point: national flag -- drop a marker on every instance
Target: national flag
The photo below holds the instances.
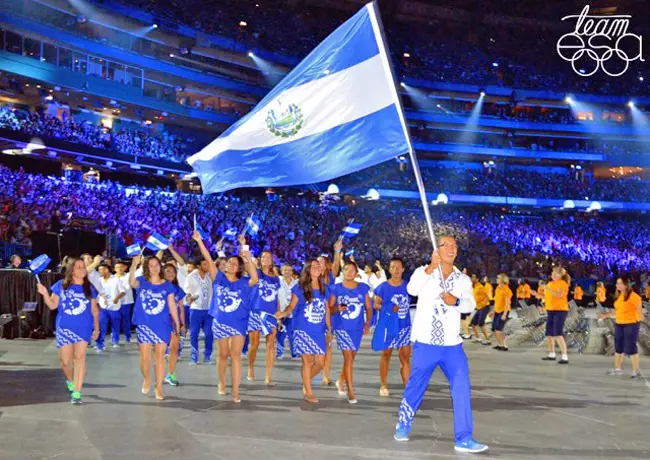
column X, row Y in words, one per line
column 335, row 113
column 39, row 264
column 134, row 250
column 268, row 322
column 253, row 225
column 349, row 253
column 230, row 233
column 203, row 233
column 157, row 242
column 351, row 230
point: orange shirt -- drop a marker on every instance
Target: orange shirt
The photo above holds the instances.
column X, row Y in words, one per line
column 647, row 292
column 601, row 294
column 578, row 293
column 627, row 311
column 502, row 296
column 527, row 294
column 481, row 296
column 490, row 290
column 521, row 291
column 553, row 303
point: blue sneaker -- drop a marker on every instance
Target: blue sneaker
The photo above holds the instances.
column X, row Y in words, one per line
column 207, row 361
column 401, row 433
column 470, row 446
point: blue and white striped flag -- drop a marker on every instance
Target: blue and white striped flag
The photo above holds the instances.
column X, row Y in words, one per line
column 39, row 264
column 335, row 113
column 349, row 253
column 253, row 225
column 351, row 230
column 230, row 233
column 157, row 242
column 134, row 250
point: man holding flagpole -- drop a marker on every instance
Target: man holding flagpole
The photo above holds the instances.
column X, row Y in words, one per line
column 335, row 113
column 443, row 293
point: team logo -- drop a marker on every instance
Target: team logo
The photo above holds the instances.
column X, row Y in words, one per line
column 600, row 43
column 354, row 307
column 153, row 303
column 75, row 304
column 229, row 301
column 284, row 120
column 403, row 302
column 315, row 311
column 268, row 291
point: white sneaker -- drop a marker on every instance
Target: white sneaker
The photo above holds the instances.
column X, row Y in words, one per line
column 115, row 345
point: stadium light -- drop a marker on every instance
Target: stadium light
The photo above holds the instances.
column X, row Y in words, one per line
column 333, row 189
column 630, row 104
column 243, row 23
column 569, row 204
column 326, row 71
column 372, row 194
column 403, row 85
column 568, row 100
column 407, row 55
column 482, row 93
column 155, row 26
column 641, row 78
column 250, row 54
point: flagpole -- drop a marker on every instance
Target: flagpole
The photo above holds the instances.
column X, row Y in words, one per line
column 373, row 8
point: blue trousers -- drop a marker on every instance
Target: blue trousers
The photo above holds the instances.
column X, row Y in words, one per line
column 199, row 319
column 126, row 310
column 105, row 317
column 453, row 363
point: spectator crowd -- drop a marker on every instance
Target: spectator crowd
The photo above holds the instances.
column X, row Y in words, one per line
column 295, row 227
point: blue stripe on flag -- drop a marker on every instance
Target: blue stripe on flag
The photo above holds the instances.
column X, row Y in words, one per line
column 356, row 145
column 349, row 45
column 134, row 250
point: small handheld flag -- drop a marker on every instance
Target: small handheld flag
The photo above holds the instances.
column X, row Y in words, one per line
column 39, row 264
column 230, row 233
column 157, row 242
column 351, row 230
column 253, row 225
column 349, row 253
column 134, row 250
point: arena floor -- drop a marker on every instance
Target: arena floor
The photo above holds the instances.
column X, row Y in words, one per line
column 523, row 408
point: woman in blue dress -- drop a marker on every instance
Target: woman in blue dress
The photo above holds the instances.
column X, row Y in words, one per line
column 268, row 301
column 156, row 317
column 230, row 307
column 347, row 302
column 310, row 323
column 171, row 275
column 77, row 322
column 330, row 270
column 391, row 296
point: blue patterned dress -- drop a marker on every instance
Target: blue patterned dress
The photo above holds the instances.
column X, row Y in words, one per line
column 267, row 302
column 397, row 295
column 151, row 313
column 348, row 326
column 308, row 322
column 231, row 306
column 74, row 321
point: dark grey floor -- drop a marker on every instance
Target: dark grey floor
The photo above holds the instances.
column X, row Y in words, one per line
column 523, row 408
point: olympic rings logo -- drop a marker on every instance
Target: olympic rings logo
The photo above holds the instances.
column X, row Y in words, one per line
column 591, row 42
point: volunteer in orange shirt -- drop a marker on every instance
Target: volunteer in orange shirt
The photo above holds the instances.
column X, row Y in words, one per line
column 601, row 293
column 502, row 306
column 521, row 291
column 527, row 292
column 557, row 305
column 647, row 292
column 482, row 310
column 578, row 294
column 628, row 313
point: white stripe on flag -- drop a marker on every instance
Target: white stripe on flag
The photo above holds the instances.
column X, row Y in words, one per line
column 351, row 230
column 326, row 103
